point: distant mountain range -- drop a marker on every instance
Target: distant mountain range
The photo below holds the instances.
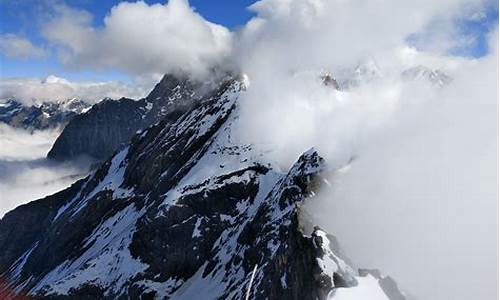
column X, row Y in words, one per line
column 40, row 116
column 369, row 71
column 436, row 77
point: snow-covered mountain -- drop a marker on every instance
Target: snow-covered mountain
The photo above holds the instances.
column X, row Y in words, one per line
column 436, row 77
column 110, row 123
column 42, row 115
column 186, row 210
column 369, row 71
column 364, row 72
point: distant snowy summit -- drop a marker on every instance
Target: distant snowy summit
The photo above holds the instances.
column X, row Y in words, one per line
column 422, row 73
column 38, row 116
column 369, row 71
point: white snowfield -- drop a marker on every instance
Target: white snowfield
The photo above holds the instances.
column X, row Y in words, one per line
column 368, row 288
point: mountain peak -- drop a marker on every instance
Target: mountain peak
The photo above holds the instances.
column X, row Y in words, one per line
column 435, row 76
column 168, row 83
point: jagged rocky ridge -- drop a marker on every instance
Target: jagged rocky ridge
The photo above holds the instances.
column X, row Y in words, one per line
column 185, row 211
column 111, row 123
column 42, row 116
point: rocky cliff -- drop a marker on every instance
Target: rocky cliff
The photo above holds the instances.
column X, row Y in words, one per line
column 111, row 123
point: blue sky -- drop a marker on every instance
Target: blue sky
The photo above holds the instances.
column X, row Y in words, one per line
column 478, row 29
column 25, row 17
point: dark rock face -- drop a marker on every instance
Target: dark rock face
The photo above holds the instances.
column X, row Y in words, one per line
column 184, row 211
column 111, row 123
column 329, row 80
column 44, row 116
column 100, row 131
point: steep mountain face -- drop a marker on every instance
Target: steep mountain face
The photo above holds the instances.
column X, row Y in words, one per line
column 43, row 116
column 109, row 124
column 185, row 211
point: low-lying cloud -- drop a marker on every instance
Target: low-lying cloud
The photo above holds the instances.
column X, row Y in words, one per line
column 25, row 174
column 20, row 144
column 52, row 88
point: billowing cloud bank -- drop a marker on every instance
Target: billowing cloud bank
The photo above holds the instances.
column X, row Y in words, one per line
column 419, row 201
column 290, row 44
column 326, row 34
column 140, row 38
column 419, row 196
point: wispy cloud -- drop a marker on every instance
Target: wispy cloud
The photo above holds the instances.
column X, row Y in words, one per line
column 14, row 46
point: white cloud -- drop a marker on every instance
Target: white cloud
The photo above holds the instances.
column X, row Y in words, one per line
column 52, row 88
column 420, row 201
column 325, row 34
column 140, row 39
column 25, row 174
column 290, row 39
column 14, row 46
column 20, row 144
